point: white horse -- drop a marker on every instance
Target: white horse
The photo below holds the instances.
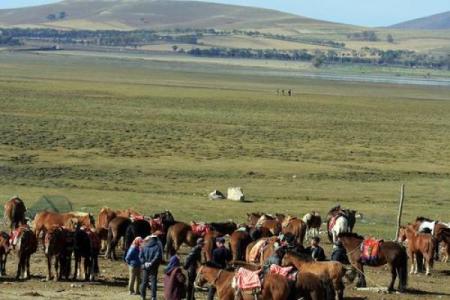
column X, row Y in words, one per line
column 340, row 225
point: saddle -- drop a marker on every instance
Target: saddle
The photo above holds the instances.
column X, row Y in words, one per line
column 370, row 250
column 287, row 272
column 200, row 229
column 256, row 250
column 246, row 282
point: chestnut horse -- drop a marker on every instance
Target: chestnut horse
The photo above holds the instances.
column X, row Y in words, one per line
column 105, row 216
column 327, row 271
column 274, row 287
column 4, row 251
column 116, row 230
column 54, row 248
column 14, row 212
column 439, row 230
column 391, row 253
column 24, row 245
column 293, row 225
column 264, row 221
column 178, row 234
column 239, row 241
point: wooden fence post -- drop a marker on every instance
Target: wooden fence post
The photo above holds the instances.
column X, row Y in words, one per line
column 400, row 210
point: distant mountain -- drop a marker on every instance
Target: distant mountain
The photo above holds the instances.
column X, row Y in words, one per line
column 439, row 21
column 149, row 14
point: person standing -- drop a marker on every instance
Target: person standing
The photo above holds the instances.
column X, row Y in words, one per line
column 134, row 266
column 150, row 257
column 174, row 280
column 316, row 251
column 220, row 256
column 339, row 253
column 191, row 264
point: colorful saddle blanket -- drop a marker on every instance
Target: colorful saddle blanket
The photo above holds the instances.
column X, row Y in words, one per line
column 370, row 251
column 247, row 280
column 199, row 228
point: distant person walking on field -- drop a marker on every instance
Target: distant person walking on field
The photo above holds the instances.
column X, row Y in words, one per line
column 174, row 280
column 192, row 261
column 150, row 257
column 134, row 266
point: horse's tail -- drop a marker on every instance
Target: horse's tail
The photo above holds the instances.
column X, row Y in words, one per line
column 402, row 270
column 169, row 243
column 129, row 237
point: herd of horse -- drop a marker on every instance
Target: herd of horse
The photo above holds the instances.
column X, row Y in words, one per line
column 79, row 236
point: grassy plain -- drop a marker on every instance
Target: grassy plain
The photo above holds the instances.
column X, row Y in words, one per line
column 159, row 135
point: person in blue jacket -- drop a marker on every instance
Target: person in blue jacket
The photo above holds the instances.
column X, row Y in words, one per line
column 134, row 266
column 150, row 257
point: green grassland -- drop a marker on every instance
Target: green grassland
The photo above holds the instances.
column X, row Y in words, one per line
column 159, row 135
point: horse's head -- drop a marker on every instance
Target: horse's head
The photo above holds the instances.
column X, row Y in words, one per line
column 200, row 279
column 53, row 239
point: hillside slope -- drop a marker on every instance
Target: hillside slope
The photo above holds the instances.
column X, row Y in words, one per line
column 148, row 14
column 438, row 21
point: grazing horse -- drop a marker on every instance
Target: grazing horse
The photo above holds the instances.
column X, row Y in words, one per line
column 390, row 253
column 178, row 234
column 4, row 251
column 313, row 222
column 327, row 271
column 335, row 214
column 87, row 246
column 14, row 211
column 55, row 247
column 24, row 245
column 419, row 244
column 274, row 287
column 239, row 241
column 116, row 230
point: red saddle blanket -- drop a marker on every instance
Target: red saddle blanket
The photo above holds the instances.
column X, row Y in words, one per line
column 199, row 229
column 247, row 280
column 333, row 222
column 157, row 224
column 287, row 272
column 370, row 249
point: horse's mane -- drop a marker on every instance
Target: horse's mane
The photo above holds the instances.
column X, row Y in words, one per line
column 300, row 255
column 210, row 265
column 423, row 219
column 350, row 235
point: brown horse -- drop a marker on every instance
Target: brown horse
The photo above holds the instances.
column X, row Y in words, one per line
column 390, row 253
column 275, row 287
column 325, row 270
column 178, row 234
column 116, row 230
column 265, row 247
column 419, row 244
column 45, row 221
column 308, row 286
column 439, row 230
column 209, row 244
column 294, row 226
column 4, row 251
column 239, row 241
column 24, row 245
column 54, row 248
column 14, row 212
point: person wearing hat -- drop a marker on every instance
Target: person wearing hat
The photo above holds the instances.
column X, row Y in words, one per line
column 317, row 252
column 220, row 256
column 192, row 260
column 150, row 257
column 174, row 279
column 339, row 253
column 134, row 266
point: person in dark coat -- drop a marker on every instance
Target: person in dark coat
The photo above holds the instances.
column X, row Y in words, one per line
column 191, row 264
column 150, row 257
column 317, row 252
column 174, row 280
column 274, row 259
column 339, row 253
column 220, row 256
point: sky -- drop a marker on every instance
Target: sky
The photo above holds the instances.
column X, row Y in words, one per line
column 357, row 12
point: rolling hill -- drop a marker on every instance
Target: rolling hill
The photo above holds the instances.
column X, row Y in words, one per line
column 438, row 21
column 151, row 14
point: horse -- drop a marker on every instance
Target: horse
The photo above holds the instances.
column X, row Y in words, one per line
column 105, row 216
column 178, row 234
column 327, row 271
column 296, row 227
column 439, row 230
column 223, row 228
column 390, row 253
column 4, row 251
column 252, row 218
column 271, row 223
column 56, row 247
column 337, row 214
column 14, row 211
column 274, row 287
column 137, row 228
column 419, row 244
column 239, row 241
column 44, row 221
column 24, row 245
column 265, row 248
column 313, row 222
column 87, row 246
column 116, row 230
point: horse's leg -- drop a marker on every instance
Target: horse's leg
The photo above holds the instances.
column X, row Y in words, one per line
column 339, row 287
column 361, row 279
column 49, row 267
column 76, row 267
column 413, row 265
column 428, row 259
column 393, row 277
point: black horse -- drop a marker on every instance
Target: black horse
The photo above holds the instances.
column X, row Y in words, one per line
column 137, row 228
column 87, row 246
column 224, row 227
